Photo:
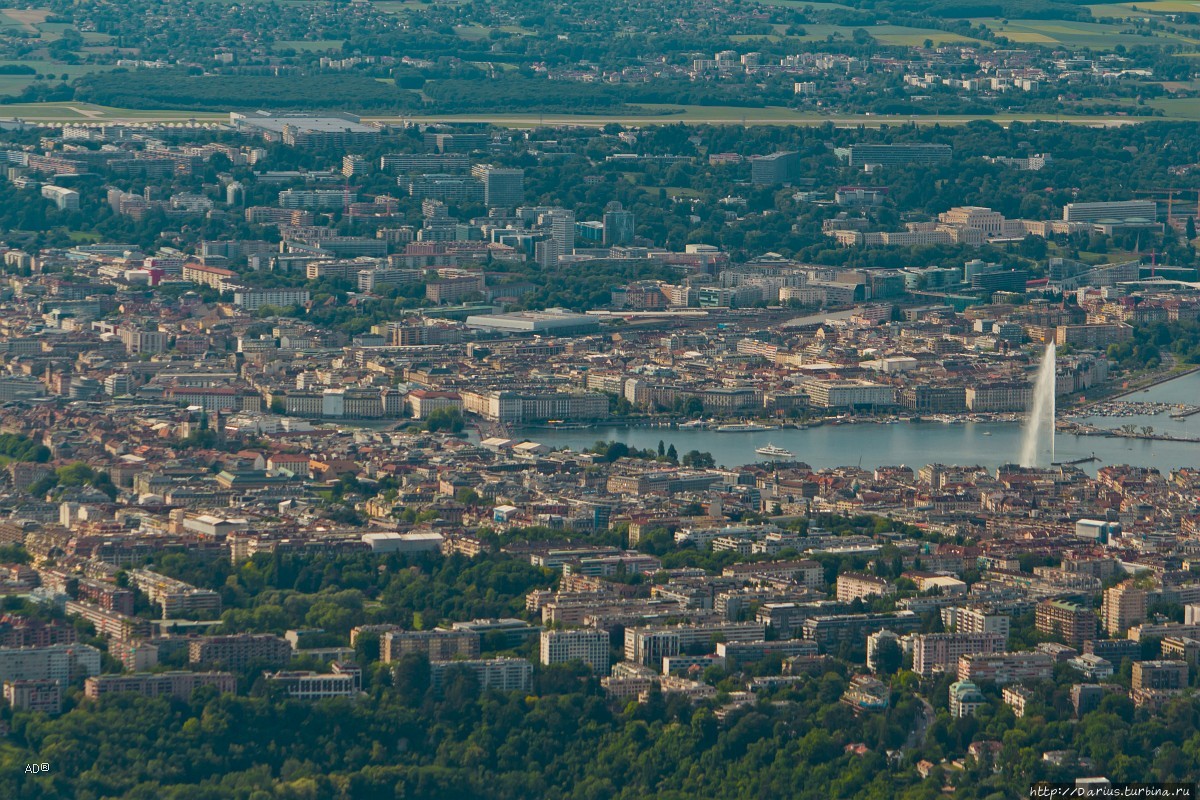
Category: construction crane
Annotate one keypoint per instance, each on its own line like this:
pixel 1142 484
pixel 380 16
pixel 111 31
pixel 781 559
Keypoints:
pixel 1170 195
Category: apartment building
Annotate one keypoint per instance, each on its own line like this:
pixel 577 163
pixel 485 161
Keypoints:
pixel 976 619
pixel 965 699
pixel 1160 675
pixel 1074 623
pixel 437 644
pixel 175 597
pixel 316 199
pixel 1005 667
pixel 254 299
pixel 834 629
pixel 58 662
pixel 502 674
pixel 178 683
pixel 238 651
pixel 1124 606
pixel 650 645
pixel 940 652
pixel 43 696
pixel 589 646
pixel 853 586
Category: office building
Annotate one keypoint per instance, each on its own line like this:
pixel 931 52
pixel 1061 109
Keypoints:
pixel 424 162
pixel 618 226
pixel 861 155
pixel 535 406
pixel 503 188
pixel 589 646
pixel 446 188
pixel 848 394
pixel 781 167
pixel 1119 211
pixel 512 631
pixel 561 224
pixel 456 142
pixel 309 685
pixel 64 199
pixel 329 130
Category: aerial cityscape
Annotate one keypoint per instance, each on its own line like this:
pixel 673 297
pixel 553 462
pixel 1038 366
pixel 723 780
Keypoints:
pixel 446 399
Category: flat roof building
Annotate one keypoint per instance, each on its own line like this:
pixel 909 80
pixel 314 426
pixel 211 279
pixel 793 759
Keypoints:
pixel 552 321
pixel 333 129
pixel 858 155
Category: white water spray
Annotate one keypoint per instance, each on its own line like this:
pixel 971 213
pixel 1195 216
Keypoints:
pixel 1040 423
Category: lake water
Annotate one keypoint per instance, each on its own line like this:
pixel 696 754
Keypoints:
pixel 989 444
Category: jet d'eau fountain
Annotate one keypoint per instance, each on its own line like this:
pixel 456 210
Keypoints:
pixel 1038 435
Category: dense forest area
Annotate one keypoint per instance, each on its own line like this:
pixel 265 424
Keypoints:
pixel 175 89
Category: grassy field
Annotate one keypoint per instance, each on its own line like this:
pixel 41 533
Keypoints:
pixel 88 112
pixel 472 33
pixel 1177 110
pixel 729 115
pixel 15 84
pixel 26 19
pixel 885 34
pixel 1153 7
pixel 1096 35
pixel 1186 108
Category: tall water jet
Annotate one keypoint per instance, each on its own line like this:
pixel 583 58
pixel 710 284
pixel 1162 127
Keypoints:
pixel 1039 427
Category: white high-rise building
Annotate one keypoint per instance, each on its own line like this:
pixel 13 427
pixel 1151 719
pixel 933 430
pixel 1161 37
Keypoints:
pixel 589 646
pixel 561 224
